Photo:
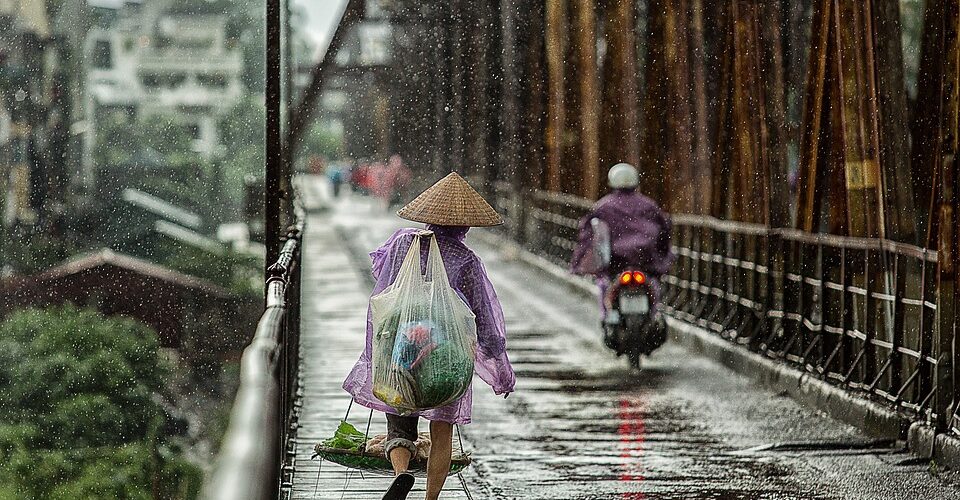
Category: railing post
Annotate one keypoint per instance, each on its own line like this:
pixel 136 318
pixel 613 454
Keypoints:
pixel 899 321
pixel 929 320
pixel 773 261
pixel 520 225
pixel 273 158
pixel 943 352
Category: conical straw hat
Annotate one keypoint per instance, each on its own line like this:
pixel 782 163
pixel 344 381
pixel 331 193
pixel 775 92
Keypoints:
pixel 451 202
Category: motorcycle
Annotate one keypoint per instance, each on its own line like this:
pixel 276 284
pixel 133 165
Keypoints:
pixel 634 324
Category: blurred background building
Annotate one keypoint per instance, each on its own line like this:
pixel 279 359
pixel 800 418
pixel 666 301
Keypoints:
pixel 153 58
pixel 31 113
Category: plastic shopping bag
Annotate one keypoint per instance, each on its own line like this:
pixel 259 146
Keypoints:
pixel 598 258
pixel 425 336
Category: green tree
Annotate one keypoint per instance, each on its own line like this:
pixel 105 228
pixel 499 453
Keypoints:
pixel 322 140
pixel 79 411
pixel 119 141
pixel 241 130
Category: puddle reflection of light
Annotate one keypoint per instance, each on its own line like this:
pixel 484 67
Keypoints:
pixel 631 431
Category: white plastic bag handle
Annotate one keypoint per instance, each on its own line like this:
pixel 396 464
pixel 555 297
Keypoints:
pixel 435 268
pixel 410 266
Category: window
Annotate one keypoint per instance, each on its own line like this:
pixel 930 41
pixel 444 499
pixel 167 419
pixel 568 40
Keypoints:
pixel 150 80
pixel 102 54
pixel 216 80
pixel 166 81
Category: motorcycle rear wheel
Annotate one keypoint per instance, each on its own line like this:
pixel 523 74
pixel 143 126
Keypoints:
pixel 633 335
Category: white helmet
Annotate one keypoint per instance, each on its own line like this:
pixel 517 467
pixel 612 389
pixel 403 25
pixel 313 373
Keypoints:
pixel 623 176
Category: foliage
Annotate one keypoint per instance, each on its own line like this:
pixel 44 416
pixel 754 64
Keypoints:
pixel 242 128
pixel 168 168
pixel 219 418
pixel 226 328
pixel 216 334
pixel 229 269
pixel 157 156
pixel 28 250
pixel 79 416
pixel 119 142
pixel 322 140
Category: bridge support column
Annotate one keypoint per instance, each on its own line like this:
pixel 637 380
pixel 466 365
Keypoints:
pixel 556 48
pixel 620 118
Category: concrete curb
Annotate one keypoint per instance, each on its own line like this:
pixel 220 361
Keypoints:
pixel 874 419
pixel 923 440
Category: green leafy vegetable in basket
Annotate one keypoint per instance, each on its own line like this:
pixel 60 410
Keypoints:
pixel 347 437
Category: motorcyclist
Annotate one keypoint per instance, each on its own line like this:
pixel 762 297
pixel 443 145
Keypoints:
pixel 639 234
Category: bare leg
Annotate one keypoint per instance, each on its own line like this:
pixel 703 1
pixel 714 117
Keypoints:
pixel 400 458
pixel 438 465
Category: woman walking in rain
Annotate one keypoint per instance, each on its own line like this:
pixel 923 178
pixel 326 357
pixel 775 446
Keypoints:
pixel 449 208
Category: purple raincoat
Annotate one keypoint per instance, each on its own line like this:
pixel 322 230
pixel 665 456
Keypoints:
pixel 639 237
pixel 469 279
pixel 639 233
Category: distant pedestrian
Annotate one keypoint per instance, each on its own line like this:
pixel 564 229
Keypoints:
pixel 399 177
pixel 335 176
pixel 360 178
pixel 377 180
pixel 317 165
pixel 449 208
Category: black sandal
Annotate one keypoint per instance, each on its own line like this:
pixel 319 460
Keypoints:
pixel 400 487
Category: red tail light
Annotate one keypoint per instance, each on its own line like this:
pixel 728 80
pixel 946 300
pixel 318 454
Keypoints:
pixel 632 278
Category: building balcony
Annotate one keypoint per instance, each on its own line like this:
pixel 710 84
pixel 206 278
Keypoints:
pixel 189 60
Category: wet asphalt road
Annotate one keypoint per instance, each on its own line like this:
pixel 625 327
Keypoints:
pixel 581 424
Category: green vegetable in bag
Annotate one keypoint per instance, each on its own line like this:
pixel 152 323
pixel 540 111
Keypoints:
pixel 391 325
pixel 445 373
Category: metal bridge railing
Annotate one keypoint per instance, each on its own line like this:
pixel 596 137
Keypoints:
pixel 255 459
pixel 544 222
pixel 857 312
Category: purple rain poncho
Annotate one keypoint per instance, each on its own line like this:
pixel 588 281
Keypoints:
pixel 639 237
pixel 469 279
